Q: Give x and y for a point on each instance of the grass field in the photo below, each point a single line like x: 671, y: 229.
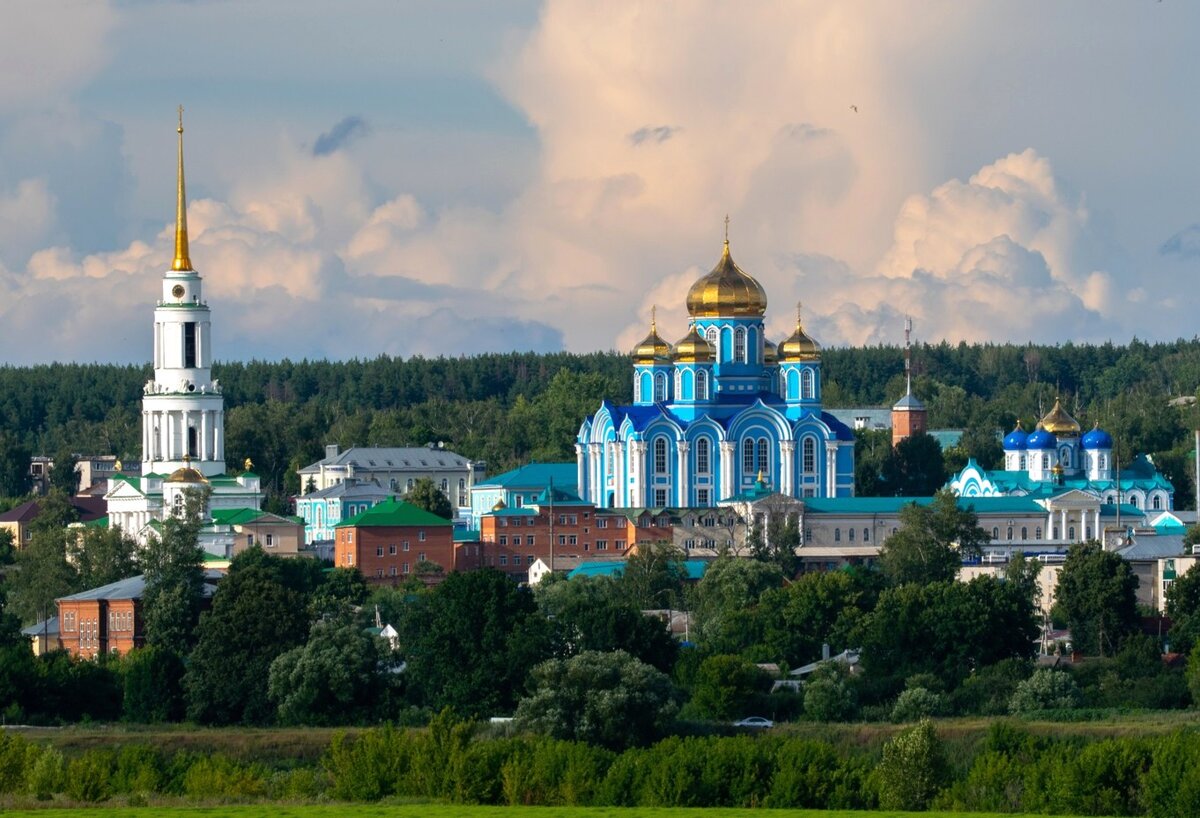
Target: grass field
x: 456, y: 811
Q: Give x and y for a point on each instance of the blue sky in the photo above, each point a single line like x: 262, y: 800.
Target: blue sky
x: 524, y: 175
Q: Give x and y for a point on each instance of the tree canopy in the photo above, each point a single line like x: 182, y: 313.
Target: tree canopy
x: 932, y: 541
x: 1097, y: 591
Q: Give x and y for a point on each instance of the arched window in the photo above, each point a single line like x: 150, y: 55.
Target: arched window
x: 1064, y: 457
x: 1010, y: 532
x: 837, y: 535
x: 177, y: 505
x: 660, y: 455
x: 764, y: 458
x: 714, y: 339
x: 739, y: 346
x: 701, y: 385
x: 703, y: 464
x: 660, y: 387
x: 1024, y: 533
x: 1137, y: 501
x: 748, y: 456
x: 1038, y: 534
x: 1045, y: 461
x: 1103, y: 461
x: 995, y: 533
x: 1071, y: 533
x: 806, y: 385
x: 1022, y: 465
x: 850, y: 534
x: 866, y: 535
x: 808, y: 456
x: 1157, y: 502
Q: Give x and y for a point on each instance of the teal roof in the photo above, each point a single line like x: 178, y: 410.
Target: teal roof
x: 693, y: 569
x: 535, y: 476
x: 560, y: 497
x: 391, y: 514
x: 946, y: 438
x: 466, y: 535
x: 892, y: 505
x: 758, y: 491
x: 510, y: 512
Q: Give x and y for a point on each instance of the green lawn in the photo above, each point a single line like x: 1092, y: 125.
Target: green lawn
x: 456, y: 811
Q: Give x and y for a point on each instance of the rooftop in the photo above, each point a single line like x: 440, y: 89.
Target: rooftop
x: 393, y: 514
x: 389, y: 458
x: 535, y: 476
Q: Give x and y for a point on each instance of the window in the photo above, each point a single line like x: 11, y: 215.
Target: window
x: 530, y: 539
x: 379, y: 550
x: 409, y: 484
x: 739, y: 346
x: 1038, y: 534
x: 703, y: 456
x: 1045, y: 461
x: 189, y: 345
x: 808, y: 456
x: 421, y: 535
x: 660, y: 387
x: 1010, y: 532
x: 504, y: 559
x: 701, y: 385
x: 866, y: 535
x: 404, y: 545
x: 421, y: 557
x: 660, y: 455
x: 764, y: 460
x: 517, y: 539
x: 404, y: 568
x: 392, y: 549
x: 1157, y: 502
x: 562, y: 539
x: 619, y: 545
x: 445, y: 486
x: 747, y: 456
x: 850, y: 533
x: 1024, y: 533
x: 702, y: 497
x: 392, y: 570
x: 1103, y: 460
x: 1022, y: 465
x: 837, y: 535
x: 995, y: 533
x: 601, y: 545
x: 807, y: 392
x: 713, y: 339
x: 573, y: 539
x: 1071, y: 533
x: 270, y: 541
x: 504, y: 539
x: 601, y: 522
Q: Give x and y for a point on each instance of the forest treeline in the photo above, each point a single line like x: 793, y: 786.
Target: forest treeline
x: 507, y: 409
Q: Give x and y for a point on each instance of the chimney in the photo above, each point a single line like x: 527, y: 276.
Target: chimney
x: 824, y: 651
x: 332, y: 450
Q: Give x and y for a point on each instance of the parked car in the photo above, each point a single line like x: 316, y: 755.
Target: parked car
x: 755, y: 723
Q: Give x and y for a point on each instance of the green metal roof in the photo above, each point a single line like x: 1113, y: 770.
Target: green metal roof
x: 535, y: 476
x: 693, y: 569
x: 892, y: 505
x: 391, y: 514
x: 466, y: 535
x: 99, y: 522
x: 236, y: 516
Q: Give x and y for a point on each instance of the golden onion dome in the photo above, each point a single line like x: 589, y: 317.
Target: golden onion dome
x: 653, y: 349
x: 770, y: 353
x: 1059, y: 423
x: 500, y: 506
x: 693, y: 348
x: 186, y: 474
x: 799, y: 346
x: 726, y: 291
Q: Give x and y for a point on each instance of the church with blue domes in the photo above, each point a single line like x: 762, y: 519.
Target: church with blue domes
x: 717, y: 411
x: 1055, y: 458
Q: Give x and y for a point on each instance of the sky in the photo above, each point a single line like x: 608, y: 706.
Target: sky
x: 446, y: 177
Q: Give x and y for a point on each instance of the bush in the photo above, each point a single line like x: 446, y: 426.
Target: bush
x: 1046, y: 689
x: 917, y: 703
x: 827, y: 697
x: 218, y: 777
x: 138, y: 770
x: 89, y: 777
x: 912, y: 770
x: 810, y: 775
x: 45, y: 774
x: 1171, y: 788
x: 724, y: 687
x: 369, y: 767
x: 16, y: 754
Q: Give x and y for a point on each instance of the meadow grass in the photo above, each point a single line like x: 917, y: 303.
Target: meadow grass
x: 269, y: 810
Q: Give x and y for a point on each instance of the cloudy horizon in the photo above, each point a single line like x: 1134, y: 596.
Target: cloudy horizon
x: 431, y: 178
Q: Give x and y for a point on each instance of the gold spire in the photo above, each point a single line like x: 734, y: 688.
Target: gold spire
x: 181, y: 262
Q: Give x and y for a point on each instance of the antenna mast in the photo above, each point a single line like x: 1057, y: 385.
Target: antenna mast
x: 908, y: 355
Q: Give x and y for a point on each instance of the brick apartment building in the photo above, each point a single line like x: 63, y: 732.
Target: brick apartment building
x: 108, y: 619
x: 387, y: 541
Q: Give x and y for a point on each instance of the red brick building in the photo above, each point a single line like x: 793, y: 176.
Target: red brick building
x: 108, y: 619
x: 387, y: 541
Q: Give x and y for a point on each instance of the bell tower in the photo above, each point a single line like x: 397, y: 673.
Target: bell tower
x: 183, y: 415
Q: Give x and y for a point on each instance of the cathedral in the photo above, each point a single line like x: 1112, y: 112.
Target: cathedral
x: 183, y: 412
x: 1055, y: 458
x: 717, y: 412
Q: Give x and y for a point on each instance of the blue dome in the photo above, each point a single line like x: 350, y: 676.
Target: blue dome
x: 1015, y: 440
x: 1097, y: 439
x: 1041, y: 439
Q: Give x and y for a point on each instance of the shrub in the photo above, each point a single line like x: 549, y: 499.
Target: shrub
x: 89, y: 777
x: 912, y: 770
x: 219, y: 777
x: 45, y: 774
x: 139, y: 770
x: 829, y: 698
x: 1171, y: 788
x: 369, y: 767
x: 810, y: 775
x: 16, y: 754
x: 1046, y: 689
x: 917, y: 703
x: 724, y: 687
x: 300, y: 784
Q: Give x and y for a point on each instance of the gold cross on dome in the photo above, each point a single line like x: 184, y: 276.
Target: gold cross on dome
x: 180, y: 119
x: 727, y: 228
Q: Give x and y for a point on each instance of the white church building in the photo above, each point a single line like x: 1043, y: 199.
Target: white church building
x: 183, y: 411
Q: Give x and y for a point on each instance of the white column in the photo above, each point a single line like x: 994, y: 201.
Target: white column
x: 1062, y: 515
x: 1050, y: 525
x: 581, y: 470
x: 219, y: 436
x: 683, y: 475
x: 638, y: 492
x: 164, y: 425
x: 727, y: 453
x: 831, y: 468
x: 204, y: 435
x: 597, y: 478
x: 787, y: 467
x: 1097, y: 532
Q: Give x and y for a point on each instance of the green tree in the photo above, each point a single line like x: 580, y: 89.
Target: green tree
x: 342, y: 675
x: 914, y: 767
x: 153, y: 684
x: 1192, y: 535
x: 14, y: 465
x: 470, y: 643
x: 173, y: 566
x: 828, y: 696
x: 255, y: 617
x: 1183, y: 609
x: 653, y: 576
x: 42, y: 572
x: 1046, y: 689
x: 609, y: 699
x: 776, y: 542
x: 8, y: 549
x: 103, y: 555
x: 817, y: 608
x: 725, y: 687
x: 63, y: 476
x: 1098, y: 594
x: 593, y: 614
x: 426, y: 495
x: 932, y: 541
x: 341, y: 590
x: 915, y: 467
x: 723, y: 602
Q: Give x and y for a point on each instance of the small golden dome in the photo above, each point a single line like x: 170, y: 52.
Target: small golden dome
x: 653, y: 349
x: 694, y: 349
x: 186, y: 474
x: 500, y: 506
x: 770, y: 353
x: 726, y: 291
x: 799, y: 346
x: 1059, y: 423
